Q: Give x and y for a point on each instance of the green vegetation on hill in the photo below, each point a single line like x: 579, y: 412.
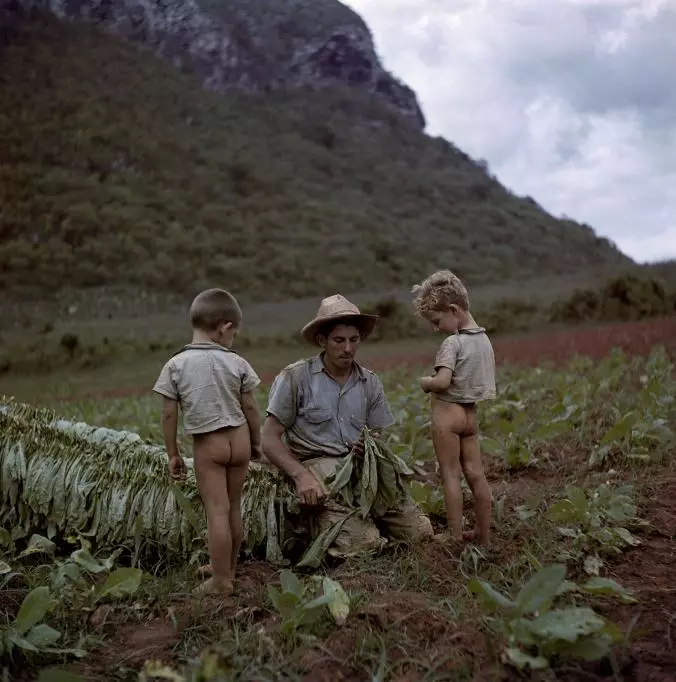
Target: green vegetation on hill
x: 117, y: 169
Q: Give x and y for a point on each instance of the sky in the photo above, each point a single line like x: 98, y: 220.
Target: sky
x: 572, y: 102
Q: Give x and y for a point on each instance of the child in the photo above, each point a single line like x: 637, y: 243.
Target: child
x: 464, y: 375
x: 214, y: 387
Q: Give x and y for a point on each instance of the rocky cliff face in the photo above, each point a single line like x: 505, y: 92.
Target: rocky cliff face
x: 250, y: 45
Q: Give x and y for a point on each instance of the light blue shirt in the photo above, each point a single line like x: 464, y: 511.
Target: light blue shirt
x: 321, y: 417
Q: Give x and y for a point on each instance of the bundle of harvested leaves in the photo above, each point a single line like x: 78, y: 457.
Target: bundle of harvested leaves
x: 374, y: 482
x: 69, y: 478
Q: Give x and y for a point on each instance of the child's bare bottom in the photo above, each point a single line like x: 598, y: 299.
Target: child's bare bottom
x: 456, y: 444
x: 221, y: 462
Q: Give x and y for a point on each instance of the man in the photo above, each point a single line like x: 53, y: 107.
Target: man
x: 316, y: 411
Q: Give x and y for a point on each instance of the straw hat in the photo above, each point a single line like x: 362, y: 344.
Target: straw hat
x: 335, y: 308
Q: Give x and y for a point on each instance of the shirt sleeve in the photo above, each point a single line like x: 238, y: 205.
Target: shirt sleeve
x: 250, y: 380
x: 379, y: 412
x: 166, y: 383
x: 281, y: 403
x: 447, y: 354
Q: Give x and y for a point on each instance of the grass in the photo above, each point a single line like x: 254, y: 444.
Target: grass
x: 413, y: 614
x: 276, y: 197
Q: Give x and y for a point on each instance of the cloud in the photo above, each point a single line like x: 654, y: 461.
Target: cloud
x: 570, y: 102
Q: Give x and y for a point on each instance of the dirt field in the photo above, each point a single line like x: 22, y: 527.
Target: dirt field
x: 405, y: 620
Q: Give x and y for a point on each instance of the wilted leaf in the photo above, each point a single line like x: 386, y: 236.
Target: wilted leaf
x: 339, y: 604
x: 39, y: 545
x: 590, y: 648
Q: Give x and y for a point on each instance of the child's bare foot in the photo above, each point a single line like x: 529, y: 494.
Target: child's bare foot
x: 475, y: 537
x: 445, y: 538
x: 223, y: 587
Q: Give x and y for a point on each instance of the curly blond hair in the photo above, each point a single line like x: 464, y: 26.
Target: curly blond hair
x: 438, y: 292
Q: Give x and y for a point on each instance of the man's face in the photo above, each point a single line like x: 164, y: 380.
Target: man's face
x: 341, y: 344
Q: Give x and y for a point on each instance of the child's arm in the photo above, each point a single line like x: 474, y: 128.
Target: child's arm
x: 253, y: 418
x: 169, y: 422
x: 439, y: 382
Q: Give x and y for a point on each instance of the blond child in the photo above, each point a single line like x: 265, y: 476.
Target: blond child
x: 214, y: 388
x: 464, y: 375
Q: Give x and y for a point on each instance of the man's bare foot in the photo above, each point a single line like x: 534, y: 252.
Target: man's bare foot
x: 222, y: 587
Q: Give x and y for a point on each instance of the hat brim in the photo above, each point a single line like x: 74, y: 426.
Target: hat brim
x: 365, y: 323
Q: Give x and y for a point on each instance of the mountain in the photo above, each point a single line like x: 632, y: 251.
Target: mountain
x: 172, y: 145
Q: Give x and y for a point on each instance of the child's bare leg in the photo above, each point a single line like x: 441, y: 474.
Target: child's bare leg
x: 473, y: 469
x: 212, y: 454
x: 237, y: 470
x: 447, y: 449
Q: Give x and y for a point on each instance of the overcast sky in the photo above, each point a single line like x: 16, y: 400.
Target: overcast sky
x: 570, y: 101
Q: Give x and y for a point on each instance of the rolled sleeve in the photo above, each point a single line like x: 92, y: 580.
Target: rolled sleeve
x: 447, y: 354
x: 166, y: 384
x: 379, y: 412
x: 281, y: 403
x: 250, y: 380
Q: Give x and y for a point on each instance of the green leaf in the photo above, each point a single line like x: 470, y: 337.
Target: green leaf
x: 627, y: 536
x: 33, y: 609
x: 42, y: 636
x: 551, y: 431
x: 591, y: 648
x: 620, y: 429
x: 489, y: 596
x: 122, y: 582
x: 284, y: 602
x: 5, y: 568
x: 291, y: 583
x: 540, y: 589
x: 521, y: 660
x: 607, y: 586
x: 567, y: 624
x: 38, y: 545
x: 339, y: 604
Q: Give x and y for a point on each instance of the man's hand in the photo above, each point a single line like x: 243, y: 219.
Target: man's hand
x: 177, y: 468
x: 310, y: 491
x: 426, y: 383
x: 257, y: 453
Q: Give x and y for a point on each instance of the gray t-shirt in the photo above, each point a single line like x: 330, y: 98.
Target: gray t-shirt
x: 321, y: 417
x: 207, y: 380
x: 469, y: 354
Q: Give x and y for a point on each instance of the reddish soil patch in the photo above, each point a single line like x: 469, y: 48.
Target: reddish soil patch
x: 634, y: 338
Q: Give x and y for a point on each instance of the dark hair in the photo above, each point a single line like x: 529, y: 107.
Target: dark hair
x: 327, y: 327
x: 212, y: 308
